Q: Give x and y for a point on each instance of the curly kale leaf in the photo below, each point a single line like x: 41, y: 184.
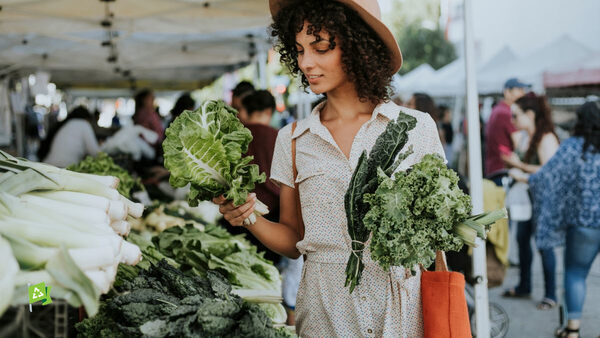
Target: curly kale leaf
x: 412, y: 215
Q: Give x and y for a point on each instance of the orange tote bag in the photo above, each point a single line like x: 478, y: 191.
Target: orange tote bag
x: 445, y: 313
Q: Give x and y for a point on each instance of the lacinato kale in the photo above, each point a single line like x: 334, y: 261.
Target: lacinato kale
x: 164, y: 302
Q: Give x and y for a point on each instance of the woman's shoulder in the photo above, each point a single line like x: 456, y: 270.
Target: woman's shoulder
x: 285, y: 134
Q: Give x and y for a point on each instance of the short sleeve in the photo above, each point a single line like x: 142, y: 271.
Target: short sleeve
x: 281, y: 167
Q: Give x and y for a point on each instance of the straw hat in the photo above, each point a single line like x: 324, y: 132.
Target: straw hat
x: 369, y: 11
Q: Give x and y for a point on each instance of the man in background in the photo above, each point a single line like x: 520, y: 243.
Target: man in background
x: 501, y: 136
x: 240, y: 91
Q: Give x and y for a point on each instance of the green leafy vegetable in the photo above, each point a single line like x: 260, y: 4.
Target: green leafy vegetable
x: 163, y: 302
x: 409, y: 215
x: 364, y: 181
x: 204, y: 148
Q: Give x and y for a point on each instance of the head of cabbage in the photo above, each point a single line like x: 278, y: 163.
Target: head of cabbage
x: 205, y: 148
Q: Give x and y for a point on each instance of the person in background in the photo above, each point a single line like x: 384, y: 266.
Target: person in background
x: 569, y: 187
x: 69, y: 141
x: 184, y: 102
x: 260, y: 106
x: 445, y: 125
x: 532, y: 114
x: 501, y: 136
x: 240, y: 91
x: 146, y: 115
x: 423, y: 102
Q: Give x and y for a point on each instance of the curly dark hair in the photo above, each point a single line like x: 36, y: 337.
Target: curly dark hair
x: 588, y: 126
x: 365, y: 58
x: 543, y: 120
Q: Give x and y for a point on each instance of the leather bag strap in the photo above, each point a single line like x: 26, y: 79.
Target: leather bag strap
x: 300, y: 228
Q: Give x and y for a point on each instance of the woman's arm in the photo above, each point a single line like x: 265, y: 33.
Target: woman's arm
x: 279, y: 237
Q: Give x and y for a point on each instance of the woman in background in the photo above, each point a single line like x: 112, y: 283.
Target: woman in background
x: 569, y: 186
x: 71, y: 140
x: 532, y: 114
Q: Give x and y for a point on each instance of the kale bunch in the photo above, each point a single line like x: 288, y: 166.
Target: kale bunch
x: 415, y: 213
x: 163, y: 302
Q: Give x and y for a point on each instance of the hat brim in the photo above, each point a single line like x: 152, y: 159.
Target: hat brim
x: 375, y: 23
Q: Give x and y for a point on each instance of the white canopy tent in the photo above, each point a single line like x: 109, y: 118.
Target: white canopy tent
x: 563, y: 50
x: 160, y: 43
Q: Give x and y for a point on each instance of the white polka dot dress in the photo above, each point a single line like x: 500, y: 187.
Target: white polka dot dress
x: 384, y: 304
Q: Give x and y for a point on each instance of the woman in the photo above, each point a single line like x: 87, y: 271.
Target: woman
x: 146, y: 115
x: 532, y: 114
x: 340, y: 49
x: 570, y: 186
x: 70, y: 141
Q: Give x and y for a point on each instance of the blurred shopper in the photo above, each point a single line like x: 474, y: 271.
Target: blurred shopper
x: 146, y: 114
x: 445, y: 126
x: 240, y: 91
x: 423, y: 102
x: 184, y: 102
x: 500, y: 133
x: 71, y: 140
x: 260, y: 106
x: 532, y: 114
x: 569, y: 186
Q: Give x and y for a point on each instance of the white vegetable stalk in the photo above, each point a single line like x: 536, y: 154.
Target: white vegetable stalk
x: 30, y: 180
x: 79, y: 212
x: 121, y: 227
x: 107, y: 181
x: 130, y: 254
x: 8, y: 272
x: 99, y: 279
x: 52, y: 236
x: 134, y: 209
x: 20, y: 209
x: 30, y: 255
x: 260, y: 209
x: 76, y: 198
x: 259, y: 296
x: 93, y: 258
x: 117, y: 210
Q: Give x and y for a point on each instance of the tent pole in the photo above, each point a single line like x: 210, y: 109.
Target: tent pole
x: 475, y: 176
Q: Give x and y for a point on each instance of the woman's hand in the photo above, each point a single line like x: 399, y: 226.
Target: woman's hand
x: 512, y: 160
x: 518, y: 175
x: 236, y: 215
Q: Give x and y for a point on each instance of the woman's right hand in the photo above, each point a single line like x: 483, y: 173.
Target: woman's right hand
x: 236, y: 215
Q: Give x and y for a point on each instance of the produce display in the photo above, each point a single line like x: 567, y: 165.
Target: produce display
x: 160, y: 216
x: 409, y: 215
x: 62, y: 228
x: 162, y: 301
x: 204, y: 148
x: 252, y: 277
x: 102, y: 164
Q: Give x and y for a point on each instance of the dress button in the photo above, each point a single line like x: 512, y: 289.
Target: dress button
x: 370, y: 331
x: 363, y: 298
